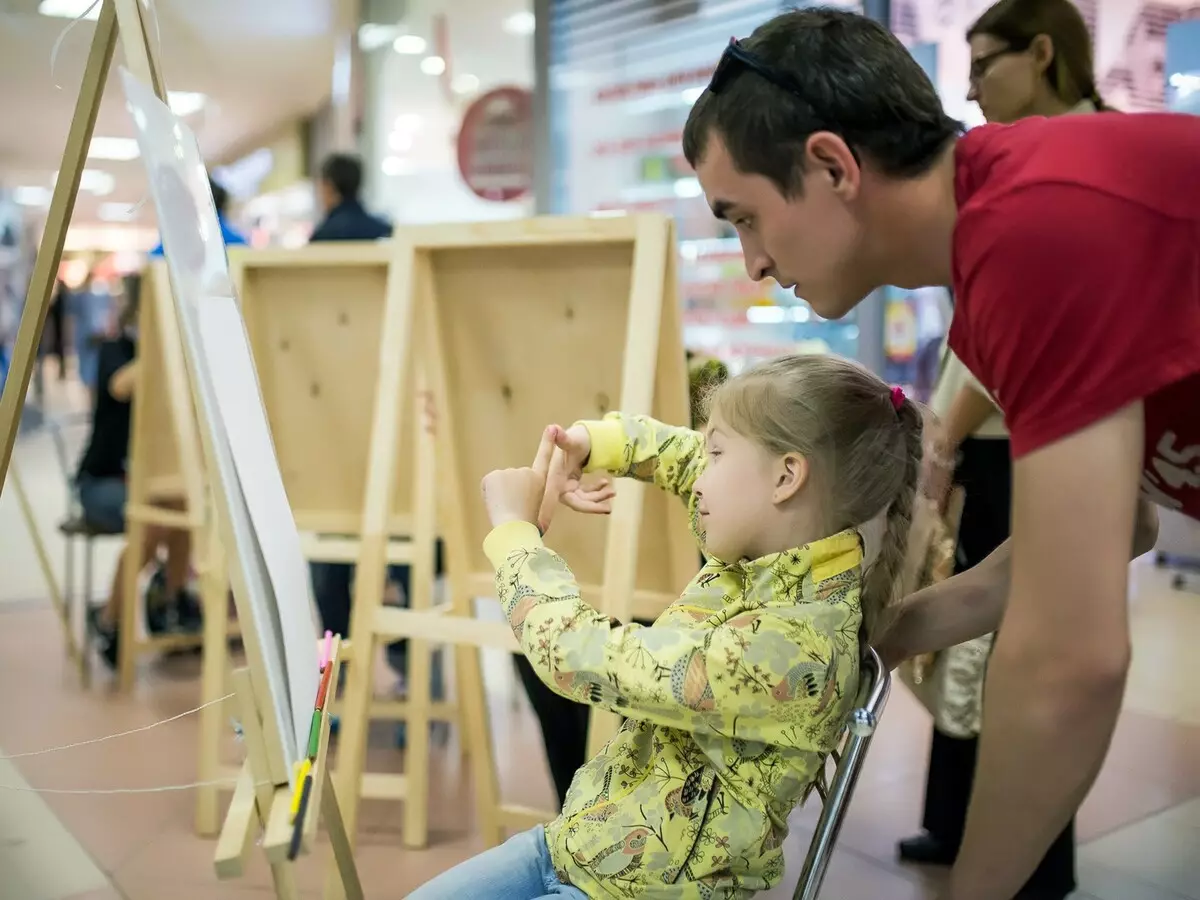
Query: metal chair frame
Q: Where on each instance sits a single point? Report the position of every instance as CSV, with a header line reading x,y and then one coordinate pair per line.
x,y
874,687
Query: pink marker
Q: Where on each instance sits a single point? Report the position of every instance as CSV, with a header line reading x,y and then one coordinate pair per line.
x,y
327,650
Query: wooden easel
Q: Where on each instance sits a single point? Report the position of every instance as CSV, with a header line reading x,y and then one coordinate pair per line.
x,y
313,317
262,807
166,463
546,319
125,17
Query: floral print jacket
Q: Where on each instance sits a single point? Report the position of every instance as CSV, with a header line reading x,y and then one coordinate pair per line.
x,y
732,698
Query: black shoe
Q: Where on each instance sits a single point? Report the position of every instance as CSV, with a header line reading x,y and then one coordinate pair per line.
x,y
105,636
158,613
190,611
926,850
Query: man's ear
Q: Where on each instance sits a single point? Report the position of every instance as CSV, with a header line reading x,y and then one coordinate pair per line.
x,y
791,474
828,154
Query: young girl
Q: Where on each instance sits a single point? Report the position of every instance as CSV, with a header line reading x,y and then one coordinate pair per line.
x,y
736,694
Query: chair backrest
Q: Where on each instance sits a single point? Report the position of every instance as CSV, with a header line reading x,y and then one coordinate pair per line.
x,y
874,685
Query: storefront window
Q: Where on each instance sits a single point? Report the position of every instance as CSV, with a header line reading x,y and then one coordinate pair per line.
x,y
621,84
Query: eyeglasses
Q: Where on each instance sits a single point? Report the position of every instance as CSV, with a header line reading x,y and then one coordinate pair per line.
x,y
736,58
981,64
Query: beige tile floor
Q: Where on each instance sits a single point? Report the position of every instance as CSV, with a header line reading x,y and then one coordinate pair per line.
x,y
1139,830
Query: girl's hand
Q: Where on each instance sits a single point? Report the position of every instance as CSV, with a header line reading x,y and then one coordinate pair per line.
x,y
515,495
565,481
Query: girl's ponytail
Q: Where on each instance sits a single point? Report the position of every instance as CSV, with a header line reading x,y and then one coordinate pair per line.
x,y
883,581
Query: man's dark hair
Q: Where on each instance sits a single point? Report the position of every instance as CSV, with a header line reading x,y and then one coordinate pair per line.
x,y
344,173
854,78
220,196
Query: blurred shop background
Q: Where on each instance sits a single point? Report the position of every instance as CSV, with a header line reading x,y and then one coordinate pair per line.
x,y
479,109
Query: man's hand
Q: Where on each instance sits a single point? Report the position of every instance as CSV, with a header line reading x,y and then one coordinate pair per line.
x,y
1057,672
514,495
564,483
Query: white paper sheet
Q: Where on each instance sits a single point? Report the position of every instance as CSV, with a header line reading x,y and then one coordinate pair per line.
x,y
229,403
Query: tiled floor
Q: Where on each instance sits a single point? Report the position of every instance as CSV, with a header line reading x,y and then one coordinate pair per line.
x,y
1139,829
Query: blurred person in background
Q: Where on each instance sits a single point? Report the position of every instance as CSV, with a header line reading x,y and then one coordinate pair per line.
x,y
101,485
92,311
230,235
338,192
1028,58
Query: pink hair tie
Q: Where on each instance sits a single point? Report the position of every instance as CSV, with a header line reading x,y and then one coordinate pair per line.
x,y
897,398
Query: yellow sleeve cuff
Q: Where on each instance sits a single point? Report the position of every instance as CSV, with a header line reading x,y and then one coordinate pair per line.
x,y
509,536
608,445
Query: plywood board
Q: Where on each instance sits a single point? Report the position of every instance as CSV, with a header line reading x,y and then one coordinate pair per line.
x,y
314,317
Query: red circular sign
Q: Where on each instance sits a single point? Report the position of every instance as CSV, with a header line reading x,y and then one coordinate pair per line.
x,y
495,145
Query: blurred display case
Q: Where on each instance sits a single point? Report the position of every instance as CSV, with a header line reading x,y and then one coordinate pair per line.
x,y
622,78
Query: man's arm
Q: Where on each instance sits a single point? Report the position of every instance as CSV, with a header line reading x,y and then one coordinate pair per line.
x,y
968,411
1057,671
972,603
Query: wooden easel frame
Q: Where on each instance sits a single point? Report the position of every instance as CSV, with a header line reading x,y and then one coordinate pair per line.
x,y
261,806
329,536
162,383
412,336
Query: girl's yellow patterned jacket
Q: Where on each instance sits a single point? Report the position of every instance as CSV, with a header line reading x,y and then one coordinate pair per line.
x,y
733,697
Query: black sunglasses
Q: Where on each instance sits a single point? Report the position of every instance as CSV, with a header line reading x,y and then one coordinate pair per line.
x,y
735,58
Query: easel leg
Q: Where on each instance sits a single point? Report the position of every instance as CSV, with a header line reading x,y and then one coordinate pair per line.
x,y
214,587
343,853
135,539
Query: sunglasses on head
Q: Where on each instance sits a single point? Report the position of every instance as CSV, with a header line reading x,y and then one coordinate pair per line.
x,y
736,59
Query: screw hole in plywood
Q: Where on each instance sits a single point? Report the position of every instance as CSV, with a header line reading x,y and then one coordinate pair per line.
x,y
570,313
315,390
343,319
602,403
284,345
506,392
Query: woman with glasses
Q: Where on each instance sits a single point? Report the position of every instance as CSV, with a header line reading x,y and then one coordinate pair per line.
x,y
1028,58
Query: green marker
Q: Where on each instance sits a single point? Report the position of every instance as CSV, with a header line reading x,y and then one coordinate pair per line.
x,y
314,734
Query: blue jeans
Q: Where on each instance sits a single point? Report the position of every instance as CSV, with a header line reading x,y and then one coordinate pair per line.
x,y
103,502
519,869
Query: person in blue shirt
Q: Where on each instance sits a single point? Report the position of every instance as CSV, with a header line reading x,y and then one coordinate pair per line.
x,y
229,234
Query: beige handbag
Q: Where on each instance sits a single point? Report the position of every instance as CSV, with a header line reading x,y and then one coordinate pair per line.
x,y
948,683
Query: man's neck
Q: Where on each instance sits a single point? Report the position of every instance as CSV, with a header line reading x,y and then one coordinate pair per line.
x,y
917,216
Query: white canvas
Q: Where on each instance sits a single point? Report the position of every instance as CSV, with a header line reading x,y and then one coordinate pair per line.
x,y
230,406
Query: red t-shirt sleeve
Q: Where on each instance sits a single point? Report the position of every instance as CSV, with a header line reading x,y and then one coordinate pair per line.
x,y
1073,303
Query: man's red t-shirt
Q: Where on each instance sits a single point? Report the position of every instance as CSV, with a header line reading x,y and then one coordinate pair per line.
x,y
1077,281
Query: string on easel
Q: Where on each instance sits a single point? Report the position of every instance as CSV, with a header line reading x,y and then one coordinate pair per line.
x,y
113,737
227,782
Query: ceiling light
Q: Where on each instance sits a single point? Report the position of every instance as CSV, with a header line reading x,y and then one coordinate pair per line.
x,y
433,65
70,9
372,36
184,103
116,212
465,83
400,140
116,148
394,165
32,195
407,122
520,23
409,44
